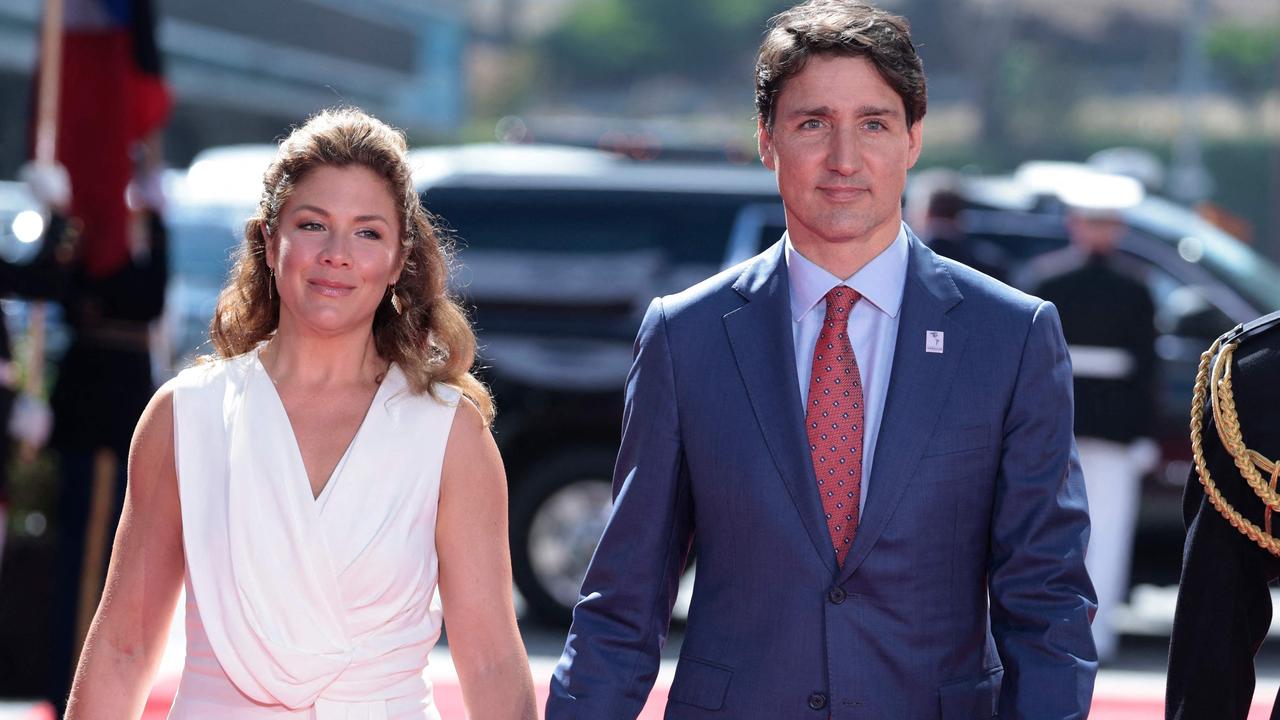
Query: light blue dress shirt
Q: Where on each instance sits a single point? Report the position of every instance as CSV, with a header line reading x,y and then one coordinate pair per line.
x,y
872,330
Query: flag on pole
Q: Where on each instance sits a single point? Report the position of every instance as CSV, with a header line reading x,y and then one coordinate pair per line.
x,y
111,95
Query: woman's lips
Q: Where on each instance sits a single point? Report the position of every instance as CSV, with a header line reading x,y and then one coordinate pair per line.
x,y
329,288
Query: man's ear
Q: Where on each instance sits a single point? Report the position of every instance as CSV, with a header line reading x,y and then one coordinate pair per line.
x,y
765,141
915,142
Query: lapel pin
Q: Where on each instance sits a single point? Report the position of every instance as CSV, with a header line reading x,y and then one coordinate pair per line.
x,y
933,341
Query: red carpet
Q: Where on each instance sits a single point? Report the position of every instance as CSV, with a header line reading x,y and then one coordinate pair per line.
x,y
449,701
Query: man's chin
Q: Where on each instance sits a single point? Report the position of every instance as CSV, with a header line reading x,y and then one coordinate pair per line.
x,y
848,232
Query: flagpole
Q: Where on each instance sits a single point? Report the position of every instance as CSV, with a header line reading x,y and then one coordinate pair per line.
x,y
46,141
50,78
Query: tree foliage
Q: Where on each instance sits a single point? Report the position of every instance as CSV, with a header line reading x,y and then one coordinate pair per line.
x,y
1246,58
609,41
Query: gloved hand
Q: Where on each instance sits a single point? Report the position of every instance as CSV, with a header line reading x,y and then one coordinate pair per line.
x,y
30,423
49,184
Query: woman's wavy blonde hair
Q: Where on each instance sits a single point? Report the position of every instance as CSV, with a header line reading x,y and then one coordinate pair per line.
x,y
431,339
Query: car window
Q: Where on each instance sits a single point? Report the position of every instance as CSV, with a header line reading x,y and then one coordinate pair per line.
x,y
604,253
1239,266
683,227
1019,236
1182,309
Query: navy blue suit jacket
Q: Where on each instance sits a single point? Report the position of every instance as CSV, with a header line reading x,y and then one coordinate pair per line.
x,y
964,594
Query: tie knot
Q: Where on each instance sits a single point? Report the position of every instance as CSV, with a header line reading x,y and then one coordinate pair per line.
x,y
840,299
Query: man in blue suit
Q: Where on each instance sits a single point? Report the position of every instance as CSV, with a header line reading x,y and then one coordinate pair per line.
x,y
942,575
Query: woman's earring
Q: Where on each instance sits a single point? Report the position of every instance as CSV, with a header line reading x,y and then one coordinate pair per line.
x,y
395,301
271,283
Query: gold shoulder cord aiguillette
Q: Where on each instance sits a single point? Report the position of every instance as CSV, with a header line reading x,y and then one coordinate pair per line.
x,y
1215,374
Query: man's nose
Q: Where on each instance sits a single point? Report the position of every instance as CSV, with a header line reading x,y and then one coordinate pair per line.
x,y
844,154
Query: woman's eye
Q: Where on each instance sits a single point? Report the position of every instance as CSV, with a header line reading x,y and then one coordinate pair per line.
x,y
370,234
309,225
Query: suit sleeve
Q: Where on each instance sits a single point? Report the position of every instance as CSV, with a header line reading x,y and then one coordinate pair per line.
x,y
1042,601
1224,605
621,621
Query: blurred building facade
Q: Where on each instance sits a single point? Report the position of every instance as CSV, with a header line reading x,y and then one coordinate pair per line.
x,y
243,71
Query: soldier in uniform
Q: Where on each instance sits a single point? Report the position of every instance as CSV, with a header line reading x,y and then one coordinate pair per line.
x,y
1108,318
1233,535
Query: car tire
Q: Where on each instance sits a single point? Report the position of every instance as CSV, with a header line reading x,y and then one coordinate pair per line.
x,y
559,508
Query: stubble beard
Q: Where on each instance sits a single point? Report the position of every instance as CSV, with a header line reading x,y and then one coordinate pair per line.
x,y
848,225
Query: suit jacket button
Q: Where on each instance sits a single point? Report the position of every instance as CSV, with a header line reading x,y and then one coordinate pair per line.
x,y
837,595
817,701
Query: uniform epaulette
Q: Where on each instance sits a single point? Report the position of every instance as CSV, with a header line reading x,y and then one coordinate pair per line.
x,y
1251,328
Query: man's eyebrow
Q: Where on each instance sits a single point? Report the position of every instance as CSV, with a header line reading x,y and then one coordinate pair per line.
x,y
861,111
867,110
819,111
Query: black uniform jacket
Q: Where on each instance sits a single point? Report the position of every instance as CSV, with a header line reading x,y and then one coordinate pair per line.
x,y
1224,606
1103,305
104,379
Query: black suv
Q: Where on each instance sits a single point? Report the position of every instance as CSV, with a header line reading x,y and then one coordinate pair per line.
x,y
561,251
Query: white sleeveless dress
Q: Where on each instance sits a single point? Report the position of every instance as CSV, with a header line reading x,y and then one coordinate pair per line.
x,y
299,607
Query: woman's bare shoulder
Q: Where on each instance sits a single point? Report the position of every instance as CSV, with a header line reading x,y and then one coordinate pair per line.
x,y
471,453
153,438
469,436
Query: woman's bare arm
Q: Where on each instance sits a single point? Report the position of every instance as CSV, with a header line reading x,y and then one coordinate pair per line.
x,y
126,639
475,575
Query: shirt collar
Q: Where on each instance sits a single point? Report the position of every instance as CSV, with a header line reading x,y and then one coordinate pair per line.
x,y
880,282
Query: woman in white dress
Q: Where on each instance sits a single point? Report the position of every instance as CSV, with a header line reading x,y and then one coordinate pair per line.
x,y
314,482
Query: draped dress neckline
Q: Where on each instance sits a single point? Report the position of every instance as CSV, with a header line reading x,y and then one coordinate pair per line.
x,y
283,417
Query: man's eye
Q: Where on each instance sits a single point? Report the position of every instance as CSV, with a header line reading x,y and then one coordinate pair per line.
x,y
811,124
875,125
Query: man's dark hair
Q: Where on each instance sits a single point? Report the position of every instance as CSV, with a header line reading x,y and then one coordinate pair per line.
x,y
845,28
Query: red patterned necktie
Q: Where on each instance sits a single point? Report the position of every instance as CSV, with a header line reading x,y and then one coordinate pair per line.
x,y
833,420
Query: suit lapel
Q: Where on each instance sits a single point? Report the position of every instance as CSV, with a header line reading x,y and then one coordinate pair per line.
x,y
919,383
760,336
